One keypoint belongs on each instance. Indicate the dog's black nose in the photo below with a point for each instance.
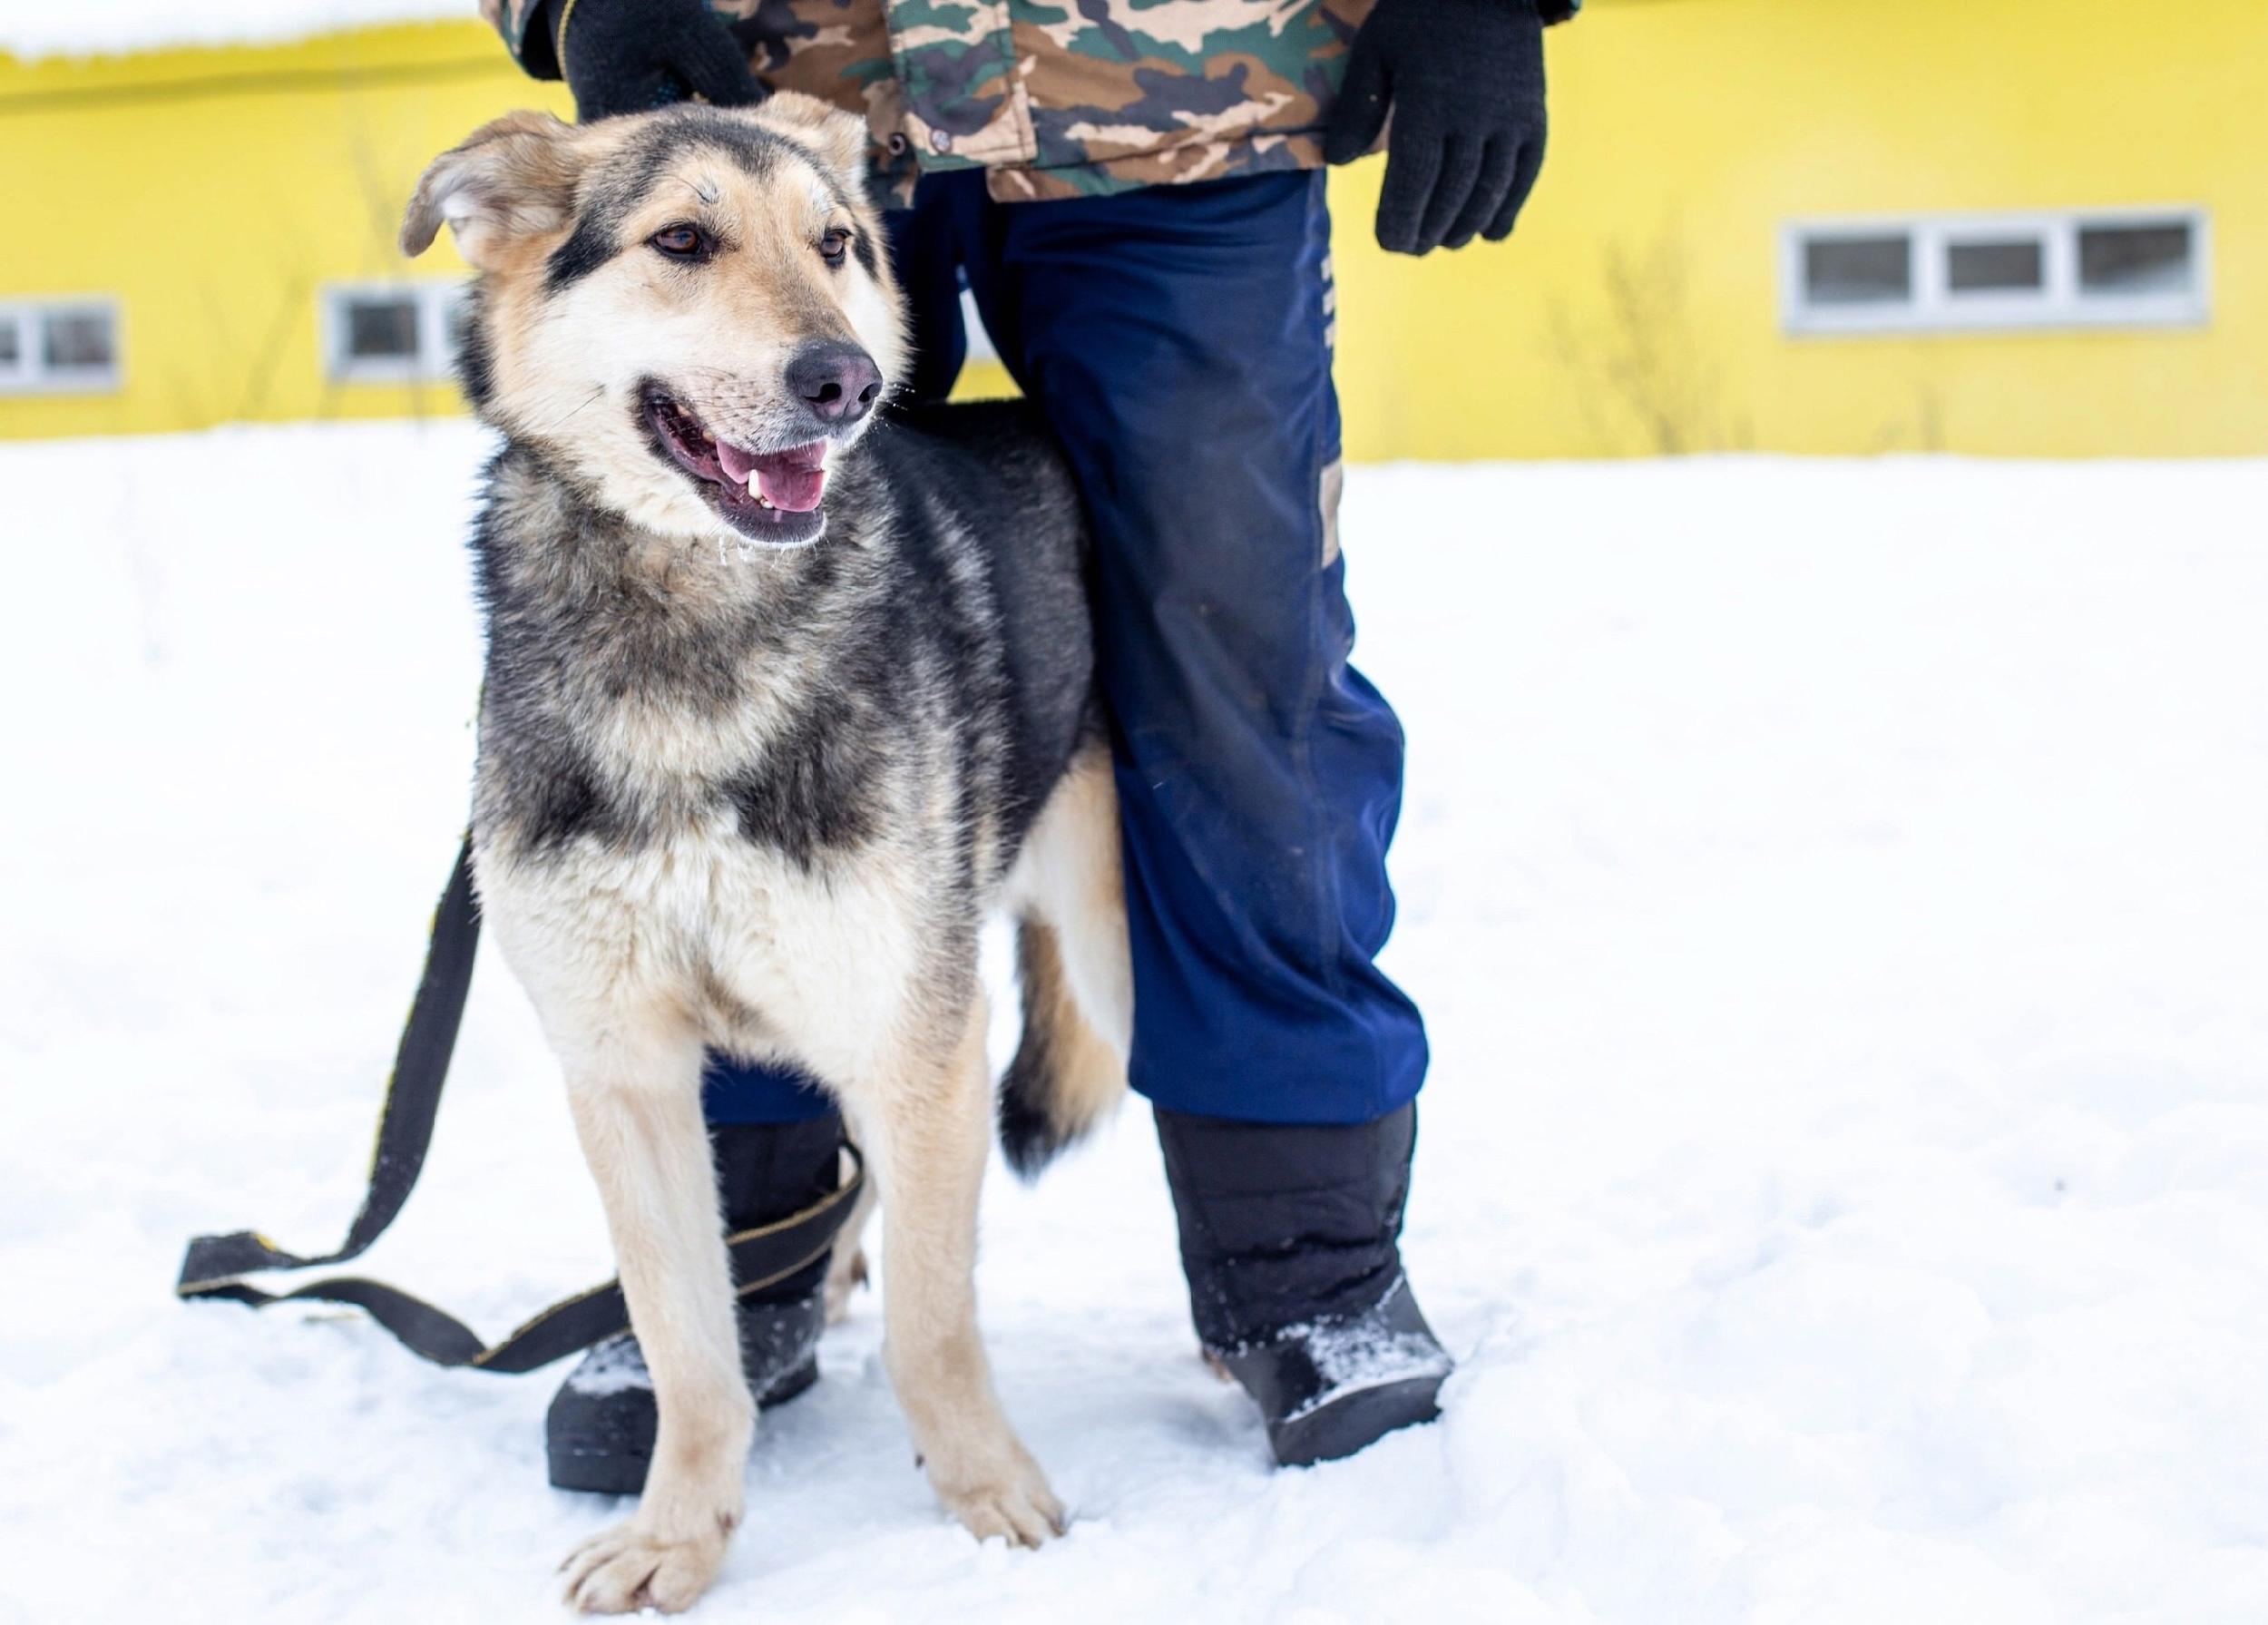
(840, 382)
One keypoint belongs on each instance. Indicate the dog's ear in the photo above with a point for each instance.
(839, 138)
(513, 179)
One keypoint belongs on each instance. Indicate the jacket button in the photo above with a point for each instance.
(897, 142)
(942, 139)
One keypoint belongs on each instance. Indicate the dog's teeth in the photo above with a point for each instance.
(763, 501)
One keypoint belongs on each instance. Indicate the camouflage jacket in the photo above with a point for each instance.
(1055, 98)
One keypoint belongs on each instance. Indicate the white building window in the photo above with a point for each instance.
(1959, 273)
(59, 347)
(394, 332)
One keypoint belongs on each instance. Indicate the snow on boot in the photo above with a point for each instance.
(1289, 1240)
(600, 1431)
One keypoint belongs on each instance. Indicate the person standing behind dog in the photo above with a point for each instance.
(1134, 195)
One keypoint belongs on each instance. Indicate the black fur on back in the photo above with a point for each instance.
(997, 458)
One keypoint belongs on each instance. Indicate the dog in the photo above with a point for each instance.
(786, 691)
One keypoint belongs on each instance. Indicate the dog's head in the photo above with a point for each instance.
(691, 310)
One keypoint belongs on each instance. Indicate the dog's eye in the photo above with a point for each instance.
(833, 243)
(682, 242)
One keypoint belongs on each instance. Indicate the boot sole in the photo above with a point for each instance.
(1351, 1422)
(613, 1471)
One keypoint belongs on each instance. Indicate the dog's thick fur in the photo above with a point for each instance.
(760, 797)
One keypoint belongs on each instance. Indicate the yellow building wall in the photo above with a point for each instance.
(213, 192)
(1686, 132)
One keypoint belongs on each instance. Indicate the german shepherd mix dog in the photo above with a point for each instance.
(783, 695)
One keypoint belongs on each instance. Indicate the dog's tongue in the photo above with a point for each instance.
(794, 479)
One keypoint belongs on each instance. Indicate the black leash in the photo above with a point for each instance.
(215, 1266)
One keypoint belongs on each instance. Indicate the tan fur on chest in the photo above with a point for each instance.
(766, 958)
(660, 751)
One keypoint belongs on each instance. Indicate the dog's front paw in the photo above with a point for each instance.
(628, 1568)
(1013, 1502)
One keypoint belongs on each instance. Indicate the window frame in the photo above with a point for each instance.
(29, 373)
(435, 297)
(2060, 303)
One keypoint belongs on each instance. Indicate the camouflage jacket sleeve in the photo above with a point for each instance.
(526, 25)
(1055, 98)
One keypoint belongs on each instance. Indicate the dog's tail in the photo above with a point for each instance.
(1067, 1076)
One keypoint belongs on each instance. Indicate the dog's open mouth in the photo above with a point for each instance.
(767, 496)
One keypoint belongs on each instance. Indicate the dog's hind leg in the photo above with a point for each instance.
(926, 1130)
(636, 1099)
(846, 1270)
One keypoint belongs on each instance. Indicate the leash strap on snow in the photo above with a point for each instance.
(215, 1266)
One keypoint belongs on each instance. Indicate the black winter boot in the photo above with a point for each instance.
(599, 1432)
(1288, 1237)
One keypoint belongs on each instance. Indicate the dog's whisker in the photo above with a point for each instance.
(579, 407)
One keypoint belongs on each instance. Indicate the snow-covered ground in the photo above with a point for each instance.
(1840, 895)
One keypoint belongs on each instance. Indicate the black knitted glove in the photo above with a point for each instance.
(629, 55)
(1464, 82)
